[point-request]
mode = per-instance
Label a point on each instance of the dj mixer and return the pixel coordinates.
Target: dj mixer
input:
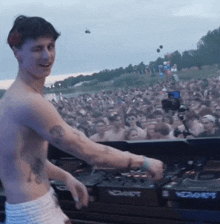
(189, 192)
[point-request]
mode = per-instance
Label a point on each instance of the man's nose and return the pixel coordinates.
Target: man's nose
(45, 54)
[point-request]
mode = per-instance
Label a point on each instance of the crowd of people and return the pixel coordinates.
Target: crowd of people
(137, 113)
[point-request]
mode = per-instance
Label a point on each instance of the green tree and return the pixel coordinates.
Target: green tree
(187, 59)
(208, 47)
(141, 67)
(129, 69)
(176, 59)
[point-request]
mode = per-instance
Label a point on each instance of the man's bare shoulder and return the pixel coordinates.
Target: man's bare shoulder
(24, 104)
(22, 98)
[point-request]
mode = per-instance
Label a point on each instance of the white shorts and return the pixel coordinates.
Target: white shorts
(44, 210)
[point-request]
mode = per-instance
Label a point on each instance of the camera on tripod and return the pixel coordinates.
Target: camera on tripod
(172, 103)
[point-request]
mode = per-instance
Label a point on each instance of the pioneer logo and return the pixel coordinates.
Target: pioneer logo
(203, 195)
(125, 193)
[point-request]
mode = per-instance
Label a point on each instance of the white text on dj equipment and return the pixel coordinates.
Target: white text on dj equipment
(188, 194)
(124, 193)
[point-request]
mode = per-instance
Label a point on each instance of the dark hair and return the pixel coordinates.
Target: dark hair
(151, 116)
(197, 99)
(192, 115)
(131, 114)
(170, 119)
(30, 28)
(162, 128)
(112, 117)
(205, 111)
(158, 112)
(100, 120)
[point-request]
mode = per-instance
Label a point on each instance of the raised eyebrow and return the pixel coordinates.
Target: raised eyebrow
(41, 45)
(37, 46)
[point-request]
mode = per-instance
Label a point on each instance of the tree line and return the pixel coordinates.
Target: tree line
(207, 53)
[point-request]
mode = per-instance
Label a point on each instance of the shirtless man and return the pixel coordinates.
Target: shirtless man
(100, 136)
(132, 121)
(116, 133)
(28, 122)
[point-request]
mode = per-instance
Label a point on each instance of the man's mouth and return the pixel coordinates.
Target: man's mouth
(45, 65)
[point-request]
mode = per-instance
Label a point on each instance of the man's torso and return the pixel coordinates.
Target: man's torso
(23, 153)
(97, 138)
(111, 135)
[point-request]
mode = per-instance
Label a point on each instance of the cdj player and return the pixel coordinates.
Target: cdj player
(188, 193)
(132, 187)
(197, 188)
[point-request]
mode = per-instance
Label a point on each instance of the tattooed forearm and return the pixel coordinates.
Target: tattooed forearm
(78, 135)
(129, 163)
(75, 148)
(107, 150)
(57, 132)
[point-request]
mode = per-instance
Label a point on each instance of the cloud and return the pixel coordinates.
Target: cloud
(196, 10)
(52, 79)
(5, 84)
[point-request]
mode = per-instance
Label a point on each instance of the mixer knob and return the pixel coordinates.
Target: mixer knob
(134, 180)
(92, 199)
(142, 180)
(118, 179)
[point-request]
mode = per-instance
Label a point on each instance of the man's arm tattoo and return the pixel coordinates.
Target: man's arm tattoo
(107, 149)
(57, 132)
(79, 136)
(129, 163)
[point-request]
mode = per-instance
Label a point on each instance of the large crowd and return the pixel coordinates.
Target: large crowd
(137, 113)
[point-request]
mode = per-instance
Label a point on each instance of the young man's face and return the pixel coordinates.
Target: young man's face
(118, 121)
(208, 125)
(159, 118)
(150, 129)
(131, 120)
(100, 127)
(36, 57)
(133, 135)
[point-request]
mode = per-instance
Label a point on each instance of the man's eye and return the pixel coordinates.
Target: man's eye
(37, 49)
(51, 47)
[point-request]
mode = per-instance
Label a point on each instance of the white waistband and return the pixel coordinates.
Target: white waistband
(43, 210)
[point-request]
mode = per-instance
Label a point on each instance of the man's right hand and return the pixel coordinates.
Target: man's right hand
(156, 168)
(78, 191)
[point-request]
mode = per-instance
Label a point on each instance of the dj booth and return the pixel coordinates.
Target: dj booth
(188, 193)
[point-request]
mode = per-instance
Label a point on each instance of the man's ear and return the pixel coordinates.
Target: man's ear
(16, 53)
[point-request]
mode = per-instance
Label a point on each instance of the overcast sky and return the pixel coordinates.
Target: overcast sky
(123, 32)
